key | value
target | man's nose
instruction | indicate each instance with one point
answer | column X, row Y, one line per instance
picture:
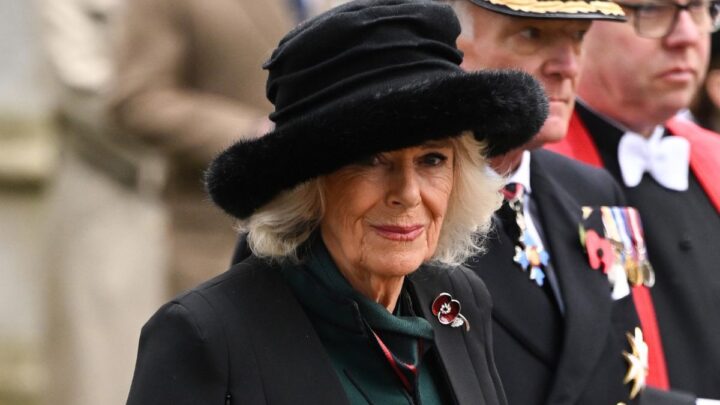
column 685, row 32
column 564, row 59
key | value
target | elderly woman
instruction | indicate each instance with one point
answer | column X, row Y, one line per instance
column 358, row 207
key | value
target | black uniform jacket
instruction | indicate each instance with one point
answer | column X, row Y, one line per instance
column 544, row 356
column 682, row 231
column 242, row 338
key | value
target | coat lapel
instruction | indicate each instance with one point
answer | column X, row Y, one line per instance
column 450, row 342
column 279, row 350
column 586, row 292
column 523, row 310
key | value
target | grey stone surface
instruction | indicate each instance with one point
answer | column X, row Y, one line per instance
column 23, row 81
column 24, row 107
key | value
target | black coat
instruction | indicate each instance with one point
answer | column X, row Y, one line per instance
column 242, row 338
column 545, row 357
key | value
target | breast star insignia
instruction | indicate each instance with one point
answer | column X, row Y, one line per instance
column 637, row 362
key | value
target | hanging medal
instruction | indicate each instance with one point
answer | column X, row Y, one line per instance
column 532, row 258
column 613, row 239
column 644, row 266
column 529, row 255
column 617, row 275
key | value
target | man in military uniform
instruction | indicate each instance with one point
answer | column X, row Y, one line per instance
column 625, row 122
column 565, row 332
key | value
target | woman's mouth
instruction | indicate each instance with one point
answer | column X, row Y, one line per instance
column 399, row 233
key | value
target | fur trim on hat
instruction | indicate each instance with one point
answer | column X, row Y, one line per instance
column 503, row 108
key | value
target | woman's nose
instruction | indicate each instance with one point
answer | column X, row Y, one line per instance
column 404, row 187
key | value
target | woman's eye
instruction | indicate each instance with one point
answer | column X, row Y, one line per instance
column 433, row 159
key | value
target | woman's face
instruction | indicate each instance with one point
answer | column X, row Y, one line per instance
column 383, row 215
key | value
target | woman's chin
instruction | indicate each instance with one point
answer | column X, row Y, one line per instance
column 401, row 258
column 393, row 263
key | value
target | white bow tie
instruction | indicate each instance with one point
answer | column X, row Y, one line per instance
column 665, row 158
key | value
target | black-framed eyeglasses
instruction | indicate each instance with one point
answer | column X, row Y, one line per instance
column 656, row 19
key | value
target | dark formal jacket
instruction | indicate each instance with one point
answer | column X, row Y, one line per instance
column 682, row 231
column 545, row 355
column 243, row 338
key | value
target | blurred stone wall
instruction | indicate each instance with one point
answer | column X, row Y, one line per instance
column 27, row 155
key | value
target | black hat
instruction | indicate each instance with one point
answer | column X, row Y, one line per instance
column 367, row 77
column 556, row 9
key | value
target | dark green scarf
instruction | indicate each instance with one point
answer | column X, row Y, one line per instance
column 346, row 322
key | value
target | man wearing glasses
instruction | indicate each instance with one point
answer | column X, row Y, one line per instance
column 641, row 74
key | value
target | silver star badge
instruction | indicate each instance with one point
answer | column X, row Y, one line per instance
column 637, row 362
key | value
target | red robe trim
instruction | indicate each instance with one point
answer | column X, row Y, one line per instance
column 579, row 145
column 704, row 155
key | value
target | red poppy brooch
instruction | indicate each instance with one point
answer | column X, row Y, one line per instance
column 447, row 311
column 600, row 251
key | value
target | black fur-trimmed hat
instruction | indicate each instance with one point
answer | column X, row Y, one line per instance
column 367, row 77
column 556, row 9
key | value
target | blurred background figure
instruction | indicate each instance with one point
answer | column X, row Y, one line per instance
column 27, row 159
column 181, row 88
column 106, row 234
column 705, row 109
column 189, row 82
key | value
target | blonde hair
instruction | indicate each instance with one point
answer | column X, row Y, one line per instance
column 277, row 229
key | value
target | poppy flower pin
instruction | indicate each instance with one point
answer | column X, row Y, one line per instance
column 447, row 311
column 599, row 250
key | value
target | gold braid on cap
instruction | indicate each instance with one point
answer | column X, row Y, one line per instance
column 558, row 6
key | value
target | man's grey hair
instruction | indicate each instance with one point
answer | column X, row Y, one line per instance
column 279, row 228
